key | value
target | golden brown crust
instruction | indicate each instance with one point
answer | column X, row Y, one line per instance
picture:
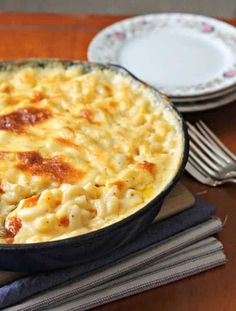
column 68, row 143
column 18, row 119
column 31, row 201
column 87, row 115
column 14, row 226
column 64, row 221
column 148, row 166
column 33, row 163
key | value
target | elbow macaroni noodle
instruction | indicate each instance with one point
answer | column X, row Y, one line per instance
column 79, row 151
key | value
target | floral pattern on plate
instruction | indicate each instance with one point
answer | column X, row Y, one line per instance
column 106, row 45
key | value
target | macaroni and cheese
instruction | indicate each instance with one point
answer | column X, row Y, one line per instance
column 79, row 151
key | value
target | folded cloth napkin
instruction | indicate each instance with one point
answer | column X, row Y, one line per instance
column 147, row 241
column 175, row 258
column 187, row 263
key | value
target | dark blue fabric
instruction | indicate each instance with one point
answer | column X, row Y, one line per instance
column 24, row 288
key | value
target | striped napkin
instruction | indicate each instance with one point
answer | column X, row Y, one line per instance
column 169, row 250
column 187, row 253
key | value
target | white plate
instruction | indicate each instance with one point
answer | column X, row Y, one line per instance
column 196, row 106
column 203, row 98
column 180, row 54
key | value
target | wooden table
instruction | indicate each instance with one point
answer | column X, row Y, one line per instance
column 50, row 35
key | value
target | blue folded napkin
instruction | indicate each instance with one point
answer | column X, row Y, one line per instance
column 26, row 287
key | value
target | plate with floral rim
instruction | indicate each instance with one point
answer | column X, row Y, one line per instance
column 196, row 106
column 203, row 98
column 180, row 54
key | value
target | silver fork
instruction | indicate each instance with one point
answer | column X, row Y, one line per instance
column 199, row 175
column 210, row 161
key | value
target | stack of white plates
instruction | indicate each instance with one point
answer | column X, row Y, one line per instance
column 190, row 58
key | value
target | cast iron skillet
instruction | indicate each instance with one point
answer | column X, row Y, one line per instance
column 90, row 246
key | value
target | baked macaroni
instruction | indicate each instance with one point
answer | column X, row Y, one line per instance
column 79, row 151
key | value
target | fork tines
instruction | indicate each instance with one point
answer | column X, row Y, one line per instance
column 208, row 155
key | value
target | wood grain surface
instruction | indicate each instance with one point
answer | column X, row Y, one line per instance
column 65, row 36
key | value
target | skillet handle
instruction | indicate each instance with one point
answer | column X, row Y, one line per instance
column 121, row 68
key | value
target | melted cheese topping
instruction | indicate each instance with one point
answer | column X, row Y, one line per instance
column 79, row 151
